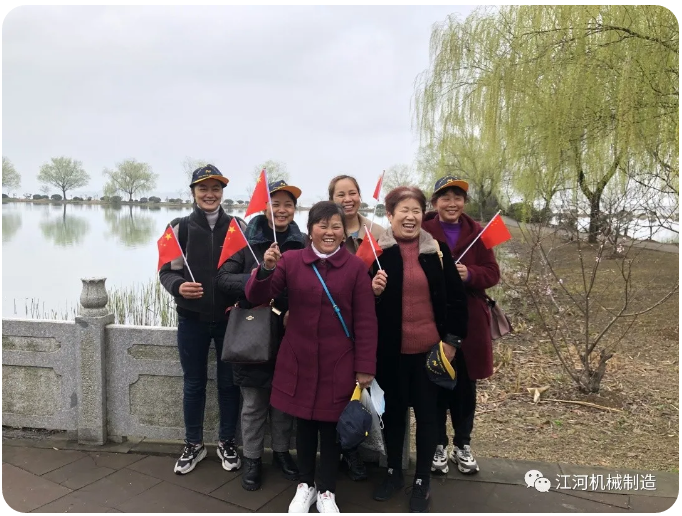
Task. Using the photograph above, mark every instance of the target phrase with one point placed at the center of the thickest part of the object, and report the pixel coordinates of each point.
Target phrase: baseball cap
(354, 423)
(208, 172)
(439, 369)
(450, 181)
(276, 186)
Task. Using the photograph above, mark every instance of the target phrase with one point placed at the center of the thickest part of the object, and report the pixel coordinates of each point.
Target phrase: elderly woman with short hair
(420, 302)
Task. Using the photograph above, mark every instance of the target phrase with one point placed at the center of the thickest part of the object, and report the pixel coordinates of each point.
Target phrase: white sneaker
(440, 461)
(304, 499)
(326, 502)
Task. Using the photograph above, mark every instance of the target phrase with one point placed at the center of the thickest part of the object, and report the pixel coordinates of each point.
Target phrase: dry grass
(634, 422)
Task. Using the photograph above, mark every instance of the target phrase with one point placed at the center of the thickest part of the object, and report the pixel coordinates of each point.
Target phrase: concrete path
(56, 475)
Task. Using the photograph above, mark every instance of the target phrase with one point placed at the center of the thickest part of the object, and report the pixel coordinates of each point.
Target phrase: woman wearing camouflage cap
(201, 319)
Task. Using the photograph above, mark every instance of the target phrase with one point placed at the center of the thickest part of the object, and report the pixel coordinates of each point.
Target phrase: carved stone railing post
(91, 323)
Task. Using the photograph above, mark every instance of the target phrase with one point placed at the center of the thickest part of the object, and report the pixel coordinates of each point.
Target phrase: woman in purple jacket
(318, 365)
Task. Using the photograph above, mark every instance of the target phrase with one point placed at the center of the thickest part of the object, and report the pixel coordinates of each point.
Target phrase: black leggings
(462, 405)
(306, 449)
(417, 390)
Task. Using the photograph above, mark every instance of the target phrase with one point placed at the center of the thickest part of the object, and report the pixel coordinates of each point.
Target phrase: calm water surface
(47, 248)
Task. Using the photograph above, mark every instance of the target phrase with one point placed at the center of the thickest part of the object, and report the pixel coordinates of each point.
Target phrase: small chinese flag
(234, 242)
(169, 248)
(377, 190)
(365, 252)
(495, 233)
(259, 198)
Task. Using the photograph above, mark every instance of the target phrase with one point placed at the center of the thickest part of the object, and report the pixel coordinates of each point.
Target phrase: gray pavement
(57, 475)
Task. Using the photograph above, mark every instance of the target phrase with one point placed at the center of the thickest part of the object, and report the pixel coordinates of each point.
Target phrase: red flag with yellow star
(260, 197)
(234, 242)
(169, 248)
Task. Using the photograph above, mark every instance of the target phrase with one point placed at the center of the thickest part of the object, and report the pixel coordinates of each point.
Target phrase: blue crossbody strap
(334, 305)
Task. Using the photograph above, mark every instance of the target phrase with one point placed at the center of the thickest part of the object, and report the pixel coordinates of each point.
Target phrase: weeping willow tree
(572, 93)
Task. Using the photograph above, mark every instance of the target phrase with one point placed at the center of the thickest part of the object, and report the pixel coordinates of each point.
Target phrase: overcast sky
(326, 90)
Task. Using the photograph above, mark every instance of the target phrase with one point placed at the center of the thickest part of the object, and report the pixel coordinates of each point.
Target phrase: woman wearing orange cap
(255, 380)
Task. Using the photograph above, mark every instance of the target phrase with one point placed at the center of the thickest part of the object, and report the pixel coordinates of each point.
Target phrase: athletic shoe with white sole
(440, 461)
(192, 454)
(466, 463)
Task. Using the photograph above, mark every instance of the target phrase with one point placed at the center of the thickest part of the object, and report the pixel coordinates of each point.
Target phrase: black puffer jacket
(202, 247)
(232, 279)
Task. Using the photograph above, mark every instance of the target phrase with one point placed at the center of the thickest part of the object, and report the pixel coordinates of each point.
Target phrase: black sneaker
(419, 500)
(192, 454)
(356, 467)
(227, 452)
(392, 482)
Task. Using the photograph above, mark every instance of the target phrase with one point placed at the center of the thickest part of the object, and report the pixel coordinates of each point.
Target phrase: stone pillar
(92, 382)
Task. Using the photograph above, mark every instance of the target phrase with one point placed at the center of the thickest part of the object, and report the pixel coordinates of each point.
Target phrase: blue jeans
(194, 341)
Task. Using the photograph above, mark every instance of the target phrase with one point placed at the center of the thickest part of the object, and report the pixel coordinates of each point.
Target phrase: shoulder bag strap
(334, 305)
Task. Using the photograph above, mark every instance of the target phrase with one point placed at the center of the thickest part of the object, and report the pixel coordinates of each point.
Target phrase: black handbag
(252, 335)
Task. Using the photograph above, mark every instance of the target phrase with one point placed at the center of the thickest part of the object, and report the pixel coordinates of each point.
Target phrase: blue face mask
(377, 395)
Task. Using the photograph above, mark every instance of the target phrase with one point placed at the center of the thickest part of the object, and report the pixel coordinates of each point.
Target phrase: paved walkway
(57, 475)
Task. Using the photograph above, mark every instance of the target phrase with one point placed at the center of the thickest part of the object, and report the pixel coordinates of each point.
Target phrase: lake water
(47, 248)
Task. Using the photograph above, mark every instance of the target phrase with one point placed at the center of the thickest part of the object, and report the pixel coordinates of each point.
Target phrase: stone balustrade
(100, 381)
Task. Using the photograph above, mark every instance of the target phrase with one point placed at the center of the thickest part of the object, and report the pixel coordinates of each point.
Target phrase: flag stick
(247, 243)
(477, 237)
(371, 244)
(183, 256)
(272, 212)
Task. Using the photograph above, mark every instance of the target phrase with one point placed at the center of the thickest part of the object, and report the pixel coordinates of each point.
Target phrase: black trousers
(462, 405)
(417, 390)
(306, 449)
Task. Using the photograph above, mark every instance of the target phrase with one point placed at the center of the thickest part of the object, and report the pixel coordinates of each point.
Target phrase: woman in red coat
(318, 365)
(474, 361)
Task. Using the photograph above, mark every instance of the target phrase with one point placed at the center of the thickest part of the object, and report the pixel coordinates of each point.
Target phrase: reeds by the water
(147, 304)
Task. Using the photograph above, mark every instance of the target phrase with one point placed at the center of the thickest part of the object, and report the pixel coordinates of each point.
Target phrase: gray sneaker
(465, 461)
(229, 456)
(192, 454)
(440, 461)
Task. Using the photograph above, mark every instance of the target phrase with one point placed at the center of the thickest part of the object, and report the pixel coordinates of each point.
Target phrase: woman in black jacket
(256, 380)
(420, 303)
(201, 318)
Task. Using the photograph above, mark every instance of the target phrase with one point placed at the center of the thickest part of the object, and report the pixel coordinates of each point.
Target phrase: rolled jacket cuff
(176, 287)
(453, 340)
